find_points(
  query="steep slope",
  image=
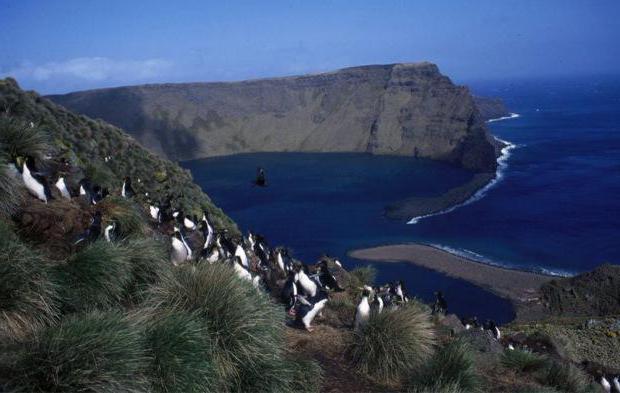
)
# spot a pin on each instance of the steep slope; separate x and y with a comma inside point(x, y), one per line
point(491, 107)
point(404, 109)
point(87, 142)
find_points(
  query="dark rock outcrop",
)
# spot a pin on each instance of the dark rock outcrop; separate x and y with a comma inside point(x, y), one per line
point(403, 109)
point(491, 107)
point(588, 294)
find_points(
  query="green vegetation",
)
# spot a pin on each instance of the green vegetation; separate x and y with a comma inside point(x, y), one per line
point(28, 298)
point(182, 359)
point(149, 262)
point(11, 193)
point(126, 214)
point(452, 367)
point(523, 361)
point(567, 378)
point(246, 327)
point(95, 277)
point(20, 139)
point(393, 343)
point(96, 352)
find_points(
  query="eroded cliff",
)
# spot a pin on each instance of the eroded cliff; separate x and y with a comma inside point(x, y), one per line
point(404, 109)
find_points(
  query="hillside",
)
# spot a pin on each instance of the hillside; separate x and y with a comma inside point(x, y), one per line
point(88, 142)
point(491, 107)
point(405, 109)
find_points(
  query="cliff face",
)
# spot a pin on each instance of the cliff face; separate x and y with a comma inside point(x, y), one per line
point(404, 109)
point(491, 107)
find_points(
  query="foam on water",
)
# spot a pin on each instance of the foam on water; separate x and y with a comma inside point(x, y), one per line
point(475, 257)
point(510, 116)
point(499, 174)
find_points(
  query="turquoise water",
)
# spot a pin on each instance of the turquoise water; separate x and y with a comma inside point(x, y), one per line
point(556, 208)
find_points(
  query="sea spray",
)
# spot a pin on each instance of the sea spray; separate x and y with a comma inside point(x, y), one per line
point(499, 174)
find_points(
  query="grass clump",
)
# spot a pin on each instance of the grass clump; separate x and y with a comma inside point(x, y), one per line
point(28, 296)
point(523, 361)
point(439, 387)
point(149, 264)
point(392, 343)
point(95, 277)
point(19, 139)
point(181, 352)
point(567, 378)
point(126, 214)
point(95, 352)
point(11, 194)
point(451, 367)
point(307, 375)
point(363, 275)
point(245, 326)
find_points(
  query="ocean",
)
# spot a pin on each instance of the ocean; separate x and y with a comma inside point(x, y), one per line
point(554, 208)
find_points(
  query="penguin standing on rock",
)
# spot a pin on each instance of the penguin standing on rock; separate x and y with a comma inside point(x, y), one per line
point(377, 303)
point(308, 287)
point(36, 183)
point(61, 185)
point(93, 232)
point(127, 190)
point(180, 252)
point(362, 314)
point(492, 327)
point(327, 279)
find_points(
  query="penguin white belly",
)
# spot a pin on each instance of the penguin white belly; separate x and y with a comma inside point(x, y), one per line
point(363, 314)
point(154, 212)
point(82, 190)
point(242, 273)
point(380, 304)
point(213, 257)
point(308, 286)
point(33, 185)
point(189, 250)
point(256, 282)
point(209, 238)
point(189, 224)
point(107, 233)
point(179, 252)
point(280, 262)
point(317, 308)
point(62, 187)
point(240, 252)
point(616, 384)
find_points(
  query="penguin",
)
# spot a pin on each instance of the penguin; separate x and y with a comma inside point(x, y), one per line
point(93, 231)
point(256, 281)
point(337, 262)
point(492, 327)
point(280, 261)
point(127, 190)
point(62, 187)
point(187, 247)
point(290, 292)
point(261, 251)
point(309, 310)
point(397, 290)
point(109, 232)
point(327, 279)
point(155, 213)
point(362, 314)
point(207, 230)
point(261, 180)
point(240, 270)
point(308, 287)
point(377, 303)
point(605, 384)
point(35, 183)
point(616, 384)
point(240, 252)
point(511, 347)
point(189, 223)
point(469, 323)
point(250, 241)
point(179, 251)
point(86, 190)
point(98, 194)
point(440, 306)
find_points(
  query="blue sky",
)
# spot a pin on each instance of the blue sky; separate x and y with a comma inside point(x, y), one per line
point(60, 46)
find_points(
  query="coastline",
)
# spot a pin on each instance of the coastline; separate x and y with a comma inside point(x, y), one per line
point(518, 286)
point(416, 208)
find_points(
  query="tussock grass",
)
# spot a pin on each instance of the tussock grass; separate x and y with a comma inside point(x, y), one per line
point(567, 378)
point(11, 192)
point(361, 276)
point(181, 351)
point(127, 215)
point(98, 173)
point(245, 326)
point(18, 139)
point(523, 361)
point(95, 277)
point(451, 367)
point(95, 352)
point(28, 297)
point(439, 387)
point(307, 375)
point(149, 262)
point(392, 343)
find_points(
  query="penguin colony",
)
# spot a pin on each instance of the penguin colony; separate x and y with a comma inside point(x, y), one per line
point(304, 289)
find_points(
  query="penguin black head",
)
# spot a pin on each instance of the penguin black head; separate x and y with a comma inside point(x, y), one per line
point(238, 260)
point(365, 293)
point(127, 180)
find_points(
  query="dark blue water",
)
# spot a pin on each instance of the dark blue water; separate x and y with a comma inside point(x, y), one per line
point(556, 208)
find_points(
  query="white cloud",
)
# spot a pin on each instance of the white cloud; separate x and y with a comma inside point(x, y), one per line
point(92, 69)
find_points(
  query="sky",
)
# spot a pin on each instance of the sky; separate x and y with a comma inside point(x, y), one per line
point(61, 46)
